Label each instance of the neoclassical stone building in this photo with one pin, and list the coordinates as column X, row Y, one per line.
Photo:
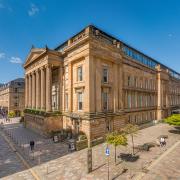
column 12, row 97
column 96, row 83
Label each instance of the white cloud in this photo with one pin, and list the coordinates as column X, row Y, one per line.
column 16, row 60
column 34, row 10
column 2, row 55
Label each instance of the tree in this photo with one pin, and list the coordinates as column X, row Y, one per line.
column 116, row 139
column 11, row 114
column 131, row 129
column 173, row 120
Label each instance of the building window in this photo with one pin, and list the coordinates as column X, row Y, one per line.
column 105, row 100
column 135, row 82
column 105, row 75
column 66, row 101
column 80, row 100
column 129, row 81
column 15, row 104
column 129, row 100
column 79, row 73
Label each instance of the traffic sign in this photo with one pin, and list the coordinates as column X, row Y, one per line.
column 107, row 151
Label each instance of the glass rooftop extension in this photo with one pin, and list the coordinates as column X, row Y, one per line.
column 127, row 50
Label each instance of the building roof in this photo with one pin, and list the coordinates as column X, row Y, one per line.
column 11, row 83
column 172, row 72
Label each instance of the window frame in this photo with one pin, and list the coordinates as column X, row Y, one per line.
column 78, row 101
column 80, row 76
column 107, row 75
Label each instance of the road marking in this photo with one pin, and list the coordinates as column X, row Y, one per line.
column 142, row 174
column 34, row 174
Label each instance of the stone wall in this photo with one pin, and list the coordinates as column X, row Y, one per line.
column 43, row 125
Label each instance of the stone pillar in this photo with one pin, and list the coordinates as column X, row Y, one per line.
column 26, row 91
column 115, row 87
column 30, row 92
column 33, row 90
column 48, row 88
column 37, row 90
column 159, row 109
column 70, row 98
column 60, row 88
column 43, row 89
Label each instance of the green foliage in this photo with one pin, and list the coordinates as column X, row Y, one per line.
column 131, row 129
column 116, row 139
column 42, row 113
column 11, row 114
column 173, row 120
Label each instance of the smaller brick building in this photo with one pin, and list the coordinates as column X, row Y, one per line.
column 12, row 96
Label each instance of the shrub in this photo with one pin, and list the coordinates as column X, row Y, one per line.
column 11, row 114
column 173, row 120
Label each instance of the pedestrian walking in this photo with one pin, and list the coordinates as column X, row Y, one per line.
column 32, row 143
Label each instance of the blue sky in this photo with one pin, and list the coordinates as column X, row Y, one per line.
column 151, row 26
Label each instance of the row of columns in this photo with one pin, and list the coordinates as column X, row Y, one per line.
column 38, row 89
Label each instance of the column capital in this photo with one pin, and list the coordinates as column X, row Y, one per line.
column 48, row 66
column 42, row 68
column 36, row 71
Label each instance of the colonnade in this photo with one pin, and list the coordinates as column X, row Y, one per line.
column 39, row 89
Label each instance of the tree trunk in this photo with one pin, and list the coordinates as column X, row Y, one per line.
column 115, row 154
column 132, row 144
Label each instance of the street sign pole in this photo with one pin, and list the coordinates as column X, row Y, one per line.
column 108, row 167
column 107, row 154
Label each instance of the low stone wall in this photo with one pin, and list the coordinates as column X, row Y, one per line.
column 43, row 125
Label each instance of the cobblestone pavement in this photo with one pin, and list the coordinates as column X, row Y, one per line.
column 168, row 168
column 10, row 166
column 55, row 162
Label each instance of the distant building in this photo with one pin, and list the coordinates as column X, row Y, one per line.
column 12, row 96
column 97, row 83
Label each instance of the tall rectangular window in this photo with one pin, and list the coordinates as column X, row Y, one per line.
column 105, row 75
column 79, row 73
column 105, row 100
column 129, row 100
column 80, row 100
column 129, row 81
column 66, row 101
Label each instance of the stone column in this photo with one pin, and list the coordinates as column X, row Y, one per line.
column 26, row 91
column 43, row 89
column 37, row 90
column 159, row 99
column 30, row 92
column 60, row 88
column 48, row 88
column 70, row 98
column 33, row 90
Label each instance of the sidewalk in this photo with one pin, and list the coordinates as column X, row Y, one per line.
column 57, row 163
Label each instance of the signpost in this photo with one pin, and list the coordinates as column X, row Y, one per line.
column 107, row 154
column 89, row 160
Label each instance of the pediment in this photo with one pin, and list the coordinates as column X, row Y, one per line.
column 34, row 53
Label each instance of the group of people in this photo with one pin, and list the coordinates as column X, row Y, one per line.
column 162, row 142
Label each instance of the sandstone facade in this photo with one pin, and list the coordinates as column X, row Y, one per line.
column 12, row 96
column 97, row 84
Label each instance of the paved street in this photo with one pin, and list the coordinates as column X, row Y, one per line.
column 10, row 166
column 53, row 161
column 167, row 168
